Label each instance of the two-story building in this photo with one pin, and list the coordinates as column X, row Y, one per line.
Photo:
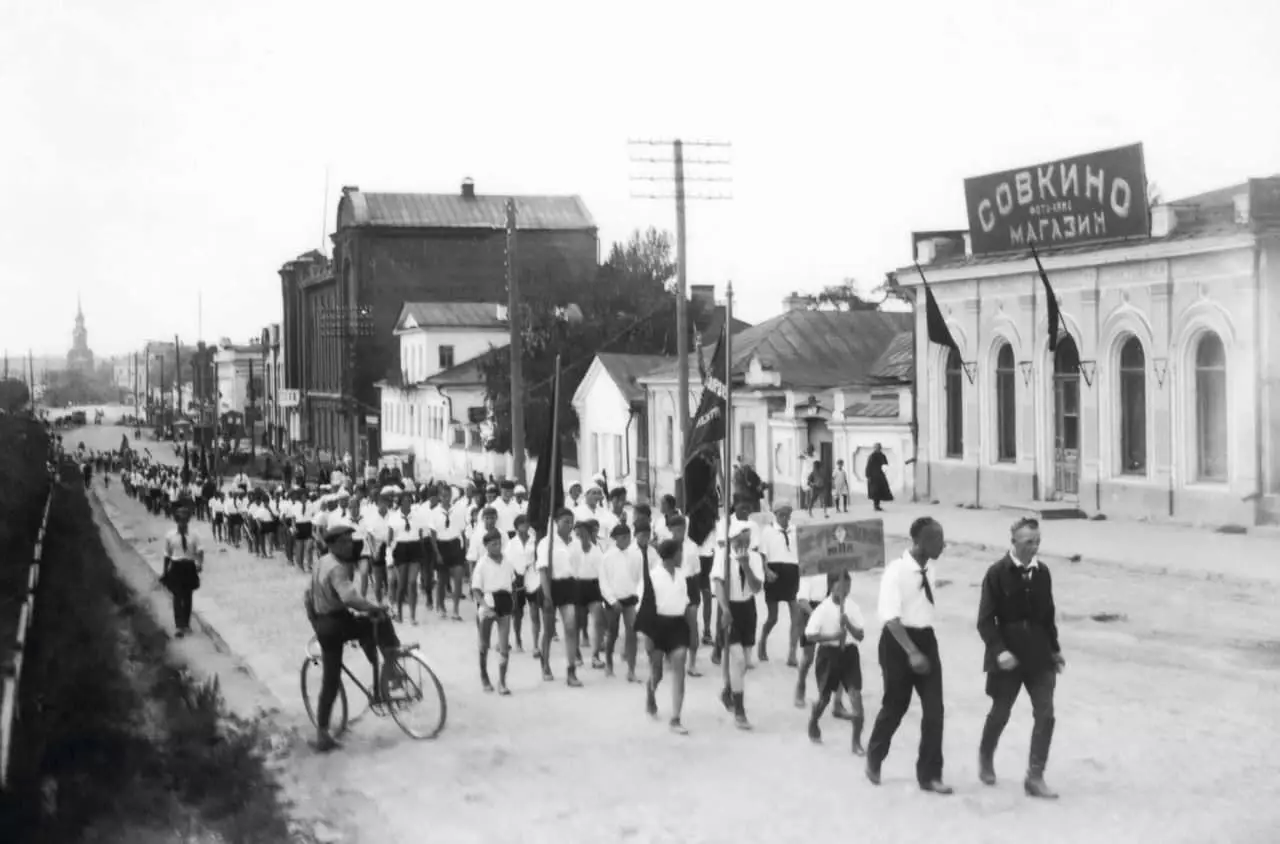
column 393, row 248
column 807, row 387
column 239, row 373
column 1158, row 401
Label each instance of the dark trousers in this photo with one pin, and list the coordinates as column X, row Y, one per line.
column 333, row 631
column 899, row 682
column 1003, row 688
column 180, row 582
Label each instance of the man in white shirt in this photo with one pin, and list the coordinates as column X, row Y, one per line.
column 781, row 580
column 573, row 498
column 620, row 578
column 590, row 610
column 665, row 623
column 741, row 516
column 492, row 584
column 909, row 655
column 520, row 551
column 377, row 534
column 738, row 614
column 677, row 527
column 835, row 627
column 507, row 508
column 554, row 559
column 451, row 559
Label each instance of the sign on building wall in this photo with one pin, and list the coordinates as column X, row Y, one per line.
column 840, row 546
column 1092, row 197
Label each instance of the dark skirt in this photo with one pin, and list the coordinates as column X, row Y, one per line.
column 835, row 667
column 623, row 603
column 564, row 592
column 743, row 631
column 705, row 565
column 786, row 586
column 406, row 552
column 218, row 517
column 589, row 592
column 302, row 530
column 669, row 633
column 235, row 518
column 181, row 577
column 452, row 554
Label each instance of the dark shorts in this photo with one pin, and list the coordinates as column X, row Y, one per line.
column 452, row 554
column 693, row 585
column 564, row 592
column 525, row 598
column 623, row 603
column 784, row 589
column 303, row 530
column 835, row 668
column 704, row 576
column 379, row 560
column 218, row 517
column 743, row 631
column 235, row 519
column 268, row 527
column 589, row 592
column 406, row 553
column 503, row 603
column 669, row 633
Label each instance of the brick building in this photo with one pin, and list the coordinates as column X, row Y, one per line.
column 392, row 248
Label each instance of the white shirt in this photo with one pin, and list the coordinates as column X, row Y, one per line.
column 608, row 521
column 670, row 594
column 491, row 576
column 173, row 547
column 689, row 560
column 825, row 619
column 620, row 574
column 402, row 529
column 586, row 561
column 755, row 546
column 475, row 548
column 779, row 545
column 521, row 556
column 561, row 565
column 507, row 512
column 451, row 520
column 902, row 594
column 739, row 591
column 375, row 529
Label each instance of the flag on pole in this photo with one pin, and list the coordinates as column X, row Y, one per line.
column 702, row 454
column 546, row 491
column 939, row 332
column 1054, row 312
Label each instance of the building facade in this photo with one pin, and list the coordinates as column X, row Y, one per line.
column 390, row 249
column 241, row 380
column 807, row 387
column 613, row 426
column 1156, row 402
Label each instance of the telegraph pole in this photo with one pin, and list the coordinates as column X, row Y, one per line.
column 135, row 390
column 678, row 180
column 517, row 348
column 177, row 372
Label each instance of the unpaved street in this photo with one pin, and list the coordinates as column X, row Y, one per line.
column 1167, row 726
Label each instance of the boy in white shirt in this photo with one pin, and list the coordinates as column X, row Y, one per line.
column 587, row 558
column 492, row 585
column 832, row 624
column 520, row 550
column 554, row 561
column 737, row 601
column 620, row 576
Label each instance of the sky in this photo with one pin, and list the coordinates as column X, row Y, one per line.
column 162, row 158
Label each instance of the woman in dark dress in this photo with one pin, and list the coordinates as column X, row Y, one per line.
column 877, row 483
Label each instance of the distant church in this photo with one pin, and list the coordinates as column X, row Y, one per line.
column 81, row 356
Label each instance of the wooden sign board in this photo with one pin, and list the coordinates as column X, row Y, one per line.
column 829, row 547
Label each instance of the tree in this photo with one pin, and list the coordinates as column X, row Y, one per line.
column 13, row 395
column 842, row 297
column 629, row 307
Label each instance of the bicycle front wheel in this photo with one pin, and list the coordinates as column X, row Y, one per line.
column 312, row 674
column 414, row 697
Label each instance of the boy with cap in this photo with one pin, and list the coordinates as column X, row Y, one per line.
column 492, row 584
column 620, row 577
column 736, row 598
column 834, row 622
column 664, row 623
column 782, row 580
column 586, row 566
column 520, row 551
column 508, row 508
column 554, row 559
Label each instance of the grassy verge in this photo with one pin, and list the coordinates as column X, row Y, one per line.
column 115, row 744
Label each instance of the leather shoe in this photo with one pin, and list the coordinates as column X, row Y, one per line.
column 873, row 773
column 986, row 771
column 1036, row 787
column 936, row 786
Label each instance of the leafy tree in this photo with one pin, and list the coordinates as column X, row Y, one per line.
column 628, row 308
column 842, row 297
column 14, row 395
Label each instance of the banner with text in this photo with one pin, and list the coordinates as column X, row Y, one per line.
column 828, row 547
column 1087, row 198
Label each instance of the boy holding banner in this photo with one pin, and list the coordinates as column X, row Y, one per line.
column 837, row 664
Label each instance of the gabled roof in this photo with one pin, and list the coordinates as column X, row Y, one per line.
column 874, row 409
column 469, row 373
column 455, row 211
column 897, row 362
column 712, row 322
column 415, row 315
column 811, row 349
column 625, row 369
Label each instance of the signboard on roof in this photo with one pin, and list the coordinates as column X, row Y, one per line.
column 827, row 547
column 1097, row 196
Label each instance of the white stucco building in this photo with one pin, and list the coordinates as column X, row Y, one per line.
column 239, row 373
column 613, row 431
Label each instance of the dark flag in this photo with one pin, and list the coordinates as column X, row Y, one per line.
column 702, row 455
column 1055, row 314
column 546, row 491
column 647, row 612
column 939, row 332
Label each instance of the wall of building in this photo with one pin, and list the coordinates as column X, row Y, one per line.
column 608, row 432
column 1167, row 296
column 420, row 349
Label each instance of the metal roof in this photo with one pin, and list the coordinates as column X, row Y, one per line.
column 625, row 369
column 874, row 409
column 455, row 211
column 469, row 373
column 453, row 315
column 897, row 362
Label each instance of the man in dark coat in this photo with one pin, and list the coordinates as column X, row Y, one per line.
column 1017, row 625
column 877, row 482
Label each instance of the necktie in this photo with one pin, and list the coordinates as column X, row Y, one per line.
column 786, row 538
column 446, row 519
column 924, row 583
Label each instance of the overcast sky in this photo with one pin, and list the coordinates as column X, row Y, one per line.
column 156, row 148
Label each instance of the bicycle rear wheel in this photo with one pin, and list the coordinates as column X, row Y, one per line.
column 312, row 673
column 415, row 697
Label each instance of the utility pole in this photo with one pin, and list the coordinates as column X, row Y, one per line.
column 31, row 376
column 248, row 418
column 177, row 373
column 135, row 390
column 146, row 356
column 163, row 393
column 517, row 348
column 678, row 180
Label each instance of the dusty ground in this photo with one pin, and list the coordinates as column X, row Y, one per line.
column 1168, row 729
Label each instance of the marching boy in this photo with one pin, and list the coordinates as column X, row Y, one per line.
column 836, row 664
column 492, row 584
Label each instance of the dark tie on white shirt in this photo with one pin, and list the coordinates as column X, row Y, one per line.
column 786, row 538
column 924, row 584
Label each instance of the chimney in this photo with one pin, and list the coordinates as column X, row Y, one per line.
column 796, row 302
column 1164, row 219
column 704, row 295
column 468, row 188
column 346, row 189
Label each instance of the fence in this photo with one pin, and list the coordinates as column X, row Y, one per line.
column 13, row 674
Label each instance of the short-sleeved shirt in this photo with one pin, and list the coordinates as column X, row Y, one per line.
column 902, row 594
column 492, row 575
column 670, row 595
column 825, row 618
column 173, row 546
column 331, row 586
column 560, row 562
column 738, row 589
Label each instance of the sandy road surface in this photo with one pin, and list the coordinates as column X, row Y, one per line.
column 1168, row 728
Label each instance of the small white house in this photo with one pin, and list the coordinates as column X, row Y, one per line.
column 613, row 424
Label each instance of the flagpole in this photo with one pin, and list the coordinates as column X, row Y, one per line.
column 552, row 506
column 726, row 482
column 1035, row 387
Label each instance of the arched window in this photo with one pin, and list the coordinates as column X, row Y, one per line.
column 1133, row 408
column 1006, row 407
column 1211, row 408
column 954, row 390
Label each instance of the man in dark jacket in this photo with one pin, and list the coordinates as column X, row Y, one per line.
column 1016, row 622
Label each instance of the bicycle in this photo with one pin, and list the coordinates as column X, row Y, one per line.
column 402, row 694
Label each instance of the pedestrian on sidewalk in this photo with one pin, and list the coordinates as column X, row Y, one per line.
column 816, row 484
column 877, row 481
column 1017, row 625
column 183, row 562
column 909, row 656
column 840, row 487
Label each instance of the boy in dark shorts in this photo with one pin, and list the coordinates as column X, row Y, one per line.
column 492, row 586
column 835, row 627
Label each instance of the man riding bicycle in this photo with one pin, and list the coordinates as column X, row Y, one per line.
column 331, row 602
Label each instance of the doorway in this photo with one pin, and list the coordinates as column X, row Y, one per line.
column 1066, row 420
column 826, row 454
